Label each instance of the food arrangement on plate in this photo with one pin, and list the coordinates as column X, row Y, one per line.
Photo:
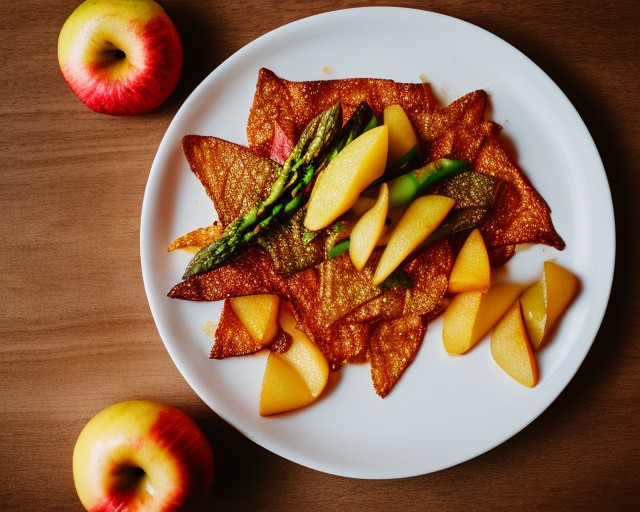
column 359, row 211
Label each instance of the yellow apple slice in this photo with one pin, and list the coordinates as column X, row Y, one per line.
column 402, row 136
column 340, row 184
column 258, row 314
column 471, row 315
column 283, row 388
column 511, row 349
column 362, row 205
column 422, row 217
column 304, row 355
column 393, row 218
column 546, row 301
column 367, row 231
column 471, row 269
column 294, row 378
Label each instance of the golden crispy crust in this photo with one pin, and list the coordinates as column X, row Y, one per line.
column 234, row 178
column 347, row 318
column 291, row 105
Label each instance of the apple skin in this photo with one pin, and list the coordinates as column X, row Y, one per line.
column 142, row 455
column 120, row 57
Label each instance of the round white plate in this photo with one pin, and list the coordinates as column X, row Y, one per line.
column 445, row 410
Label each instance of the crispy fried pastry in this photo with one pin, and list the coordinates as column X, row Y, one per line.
column 234, row 178
column 251, row 274
column 197, row 238
column 338, row 308
column 392, row 348
column 288, row 106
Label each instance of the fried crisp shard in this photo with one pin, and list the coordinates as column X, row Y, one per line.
column 345, row 343
column 521, row 214
column 392, row 348
column 529, row 220
column 342, row 289
column 197, row 238
column 288, row 106
column 231, row 338
column 251, row 274
column 289, row 250
column 233, row 177
column 429, row 272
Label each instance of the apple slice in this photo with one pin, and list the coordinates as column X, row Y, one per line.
column 258, row 314
column 422, row 217
column 471, row 269
column 367, row 231
column 294, row 378
column 471, row 315
column 545, row 301
column 511, row 349
column 283, row 388
column 304, row 355
column 402, row 136
column 337, row 187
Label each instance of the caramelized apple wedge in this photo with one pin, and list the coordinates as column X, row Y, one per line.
column 511, row 349
column 368, row 229
column 303, row 355
column 283, row 388
column 471, row 315
column 402, row 136
column 258, row 314
column 545, row 301
column 420, row 219
column 340, row 184
column 294, row 378
column 471, row 270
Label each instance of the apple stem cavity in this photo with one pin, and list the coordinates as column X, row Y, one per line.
column 127, row 477
column 111, row 55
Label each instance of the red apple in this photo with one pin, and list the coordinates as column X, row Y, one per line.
column 142, row 455
column 120, row 57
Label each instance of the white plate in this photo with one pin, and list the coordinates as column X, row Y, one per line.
column 445, row 410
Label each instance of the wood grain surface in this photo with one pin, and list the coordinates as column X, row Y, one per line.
column 76, row 331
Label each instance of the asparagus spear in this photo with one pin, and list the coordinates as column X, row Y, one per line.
column 320, row 141
column 405, row 188
column 315, row 137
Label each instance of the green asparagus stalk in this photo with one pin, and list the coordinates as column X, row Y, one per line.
column 315, row 137
column 407, row 187
column 320, row 141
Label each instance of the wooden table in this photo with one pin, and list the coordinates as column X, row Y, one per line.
column 76, row 330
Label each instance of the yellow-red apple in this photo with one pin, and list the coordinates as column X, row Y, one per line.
column 120, row 57
column 142, row 455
